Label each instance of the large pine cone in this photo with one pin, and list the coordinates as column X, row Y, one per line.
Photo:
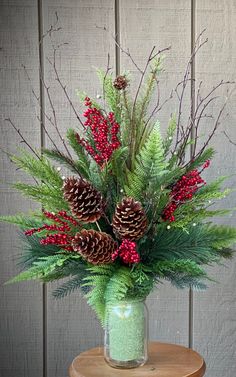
column 120, row 82
column 130, row 220
column 85, row 201
column 95, row 247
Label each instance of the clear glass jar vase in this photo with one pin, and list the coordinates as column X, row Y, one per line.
column 126, row 334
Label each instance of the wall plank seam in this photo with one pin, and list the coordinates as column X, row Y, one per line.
column 117, row 36
column 192, row 94
column 42, row 139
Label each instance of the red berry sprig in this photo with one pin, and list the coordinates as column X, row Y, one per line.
column 62, row 237
column 104, row 132
column 184, row 190
column 59, row 239
column 127, row 252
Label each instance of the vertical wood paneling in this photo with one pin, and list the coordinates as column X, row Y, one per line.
column 163, row 24
column 20, row 304
column 72, row 325
column 214, row 310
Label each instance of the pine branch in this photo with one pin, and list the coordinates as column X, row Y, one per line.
column 63, row 159
column 39, row 168
column 51, row 199
column 83, row 160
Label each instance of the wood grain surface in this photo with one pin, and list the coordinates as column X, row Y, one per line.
column 21, row 325
column 165, row 360
column 214, row 333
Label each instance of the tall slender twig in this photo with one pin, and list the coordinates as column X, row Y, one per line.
column 23, row 140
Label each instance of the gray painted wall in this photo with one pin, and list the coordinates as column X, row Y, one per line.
column 40, row 336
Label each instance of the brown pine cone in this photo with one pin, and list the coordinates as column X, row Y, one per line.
column 95, row 247
column 129, row 220
column 120, row 82
column 85, row 201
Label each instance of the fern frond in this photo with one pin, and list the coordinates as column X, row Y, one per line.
column 118, row 285
column 97, row 281
column 40, row 268
column 149, row 164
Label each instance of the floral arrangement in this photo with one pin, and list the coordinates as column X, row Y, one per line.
column 133, row 210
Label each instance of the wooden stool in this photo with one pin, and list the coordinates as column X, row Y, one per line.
column 165, row 360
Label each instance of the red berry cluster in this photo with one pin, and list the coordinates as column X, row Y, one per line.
column 104, row 131
column 61, row 237
column 127, row 252
column 183, row 190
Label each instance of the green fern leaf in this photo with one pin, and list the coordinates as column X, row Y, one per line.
column 149, row 165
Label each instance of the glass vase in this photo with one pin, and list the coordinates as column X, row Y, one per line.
column 126, row 334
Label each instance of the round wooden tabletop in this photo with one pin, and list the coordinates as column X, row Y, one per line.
column 165, row 360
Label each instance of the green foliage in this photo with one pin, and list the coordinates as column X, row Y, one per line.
column 70, row 286
column 182, row 266
column 197, row 243
column 108, row 284
column 169, row 135
column 62, row 159
column 97, row 281
column 182, row 273
column 118, row 285
column 24, row 221
column 117, row 166
column 51, row 198
column 149, row 165
column 203, row 157
column 83, row 163
column 82, row 95
column 33, row 250
column 222, row 236
column 111, row 94
column 41, row 268
column 38, row 168
column 148, row 90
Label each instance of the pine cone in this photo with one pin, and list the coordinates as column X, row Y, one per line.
column 85, row 201
column 129, row 220
column 120, row 82
column 95, row 247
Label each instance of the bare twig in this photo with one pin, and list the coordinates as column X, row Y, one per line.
column 216, row 124
column 231, row 141
column 108, row 68
column 58, row 79
column 53, row 28
column 23, row 140
column 49, row 119
column 184, row 82
column 126, row 52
